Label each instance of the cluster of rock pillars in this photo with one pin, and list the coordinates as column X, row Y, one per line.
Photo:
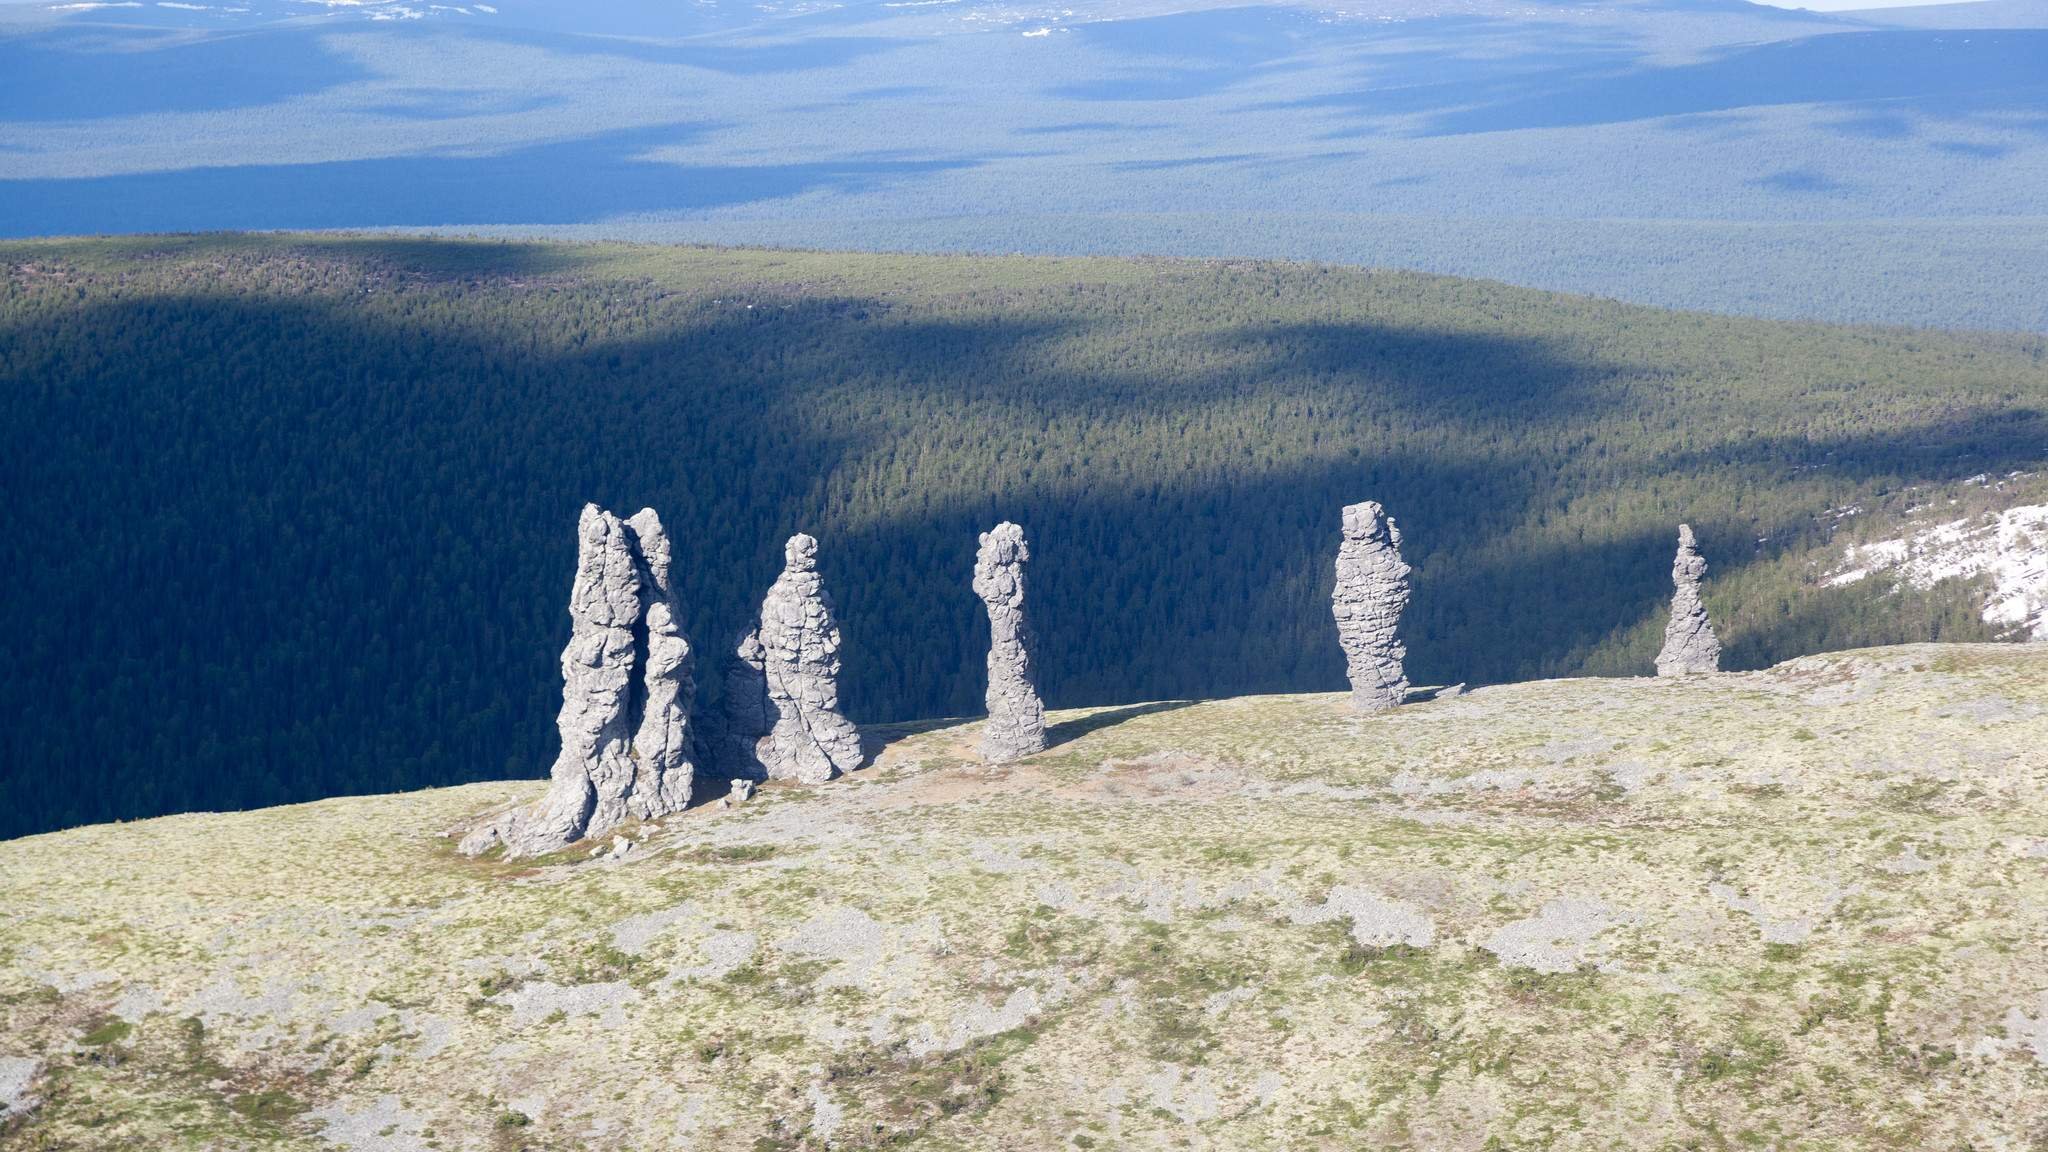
column 631, row 748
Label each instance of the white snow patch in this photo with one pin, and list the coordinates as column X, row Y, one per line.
column 2010, row 546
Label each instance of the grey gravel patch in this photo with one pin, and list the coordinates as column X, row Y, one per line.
column 848, row 936
column 538, row 1001
column 136, row 1002
column 1057, row 896
column 383, row 1126
column 1775, row 929
column 1192, row 1101
column 1375, row 922
column 436, row 1033
column 16, row 1074
column 2021, row 1031
column 2031, row 849
column 1558, row 938
column 1990, row 710
column 359, row 1020
column 724, row 952
column 224, row 997
column 1488, row 780
column 826, row 1113
column 985, row 1019
column 1267, row 1087
column 1907, row 862
column 633, row 934
column 1002, row 861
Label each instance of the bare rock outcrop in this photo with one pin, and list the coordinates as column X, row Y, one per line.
column 808, row 740
column 663, row 772
column 625, row 679
column 1690, row 645
column 1016, row 715
column 1372, row 591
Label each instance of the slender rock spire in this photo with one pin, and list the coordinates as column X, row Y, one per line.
column 1016, row 715
column 810, row 741
column 1372, row 590
column 663, row 773
column 1689, row 642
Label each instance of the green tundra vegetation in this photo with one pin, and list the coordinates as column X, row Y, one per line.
column 289, row 516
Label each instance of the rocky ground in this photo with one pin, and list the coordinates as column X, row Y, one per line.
column 1802, row 908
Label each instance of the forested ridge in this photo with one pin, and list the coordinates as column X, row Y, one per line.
column 289, row 517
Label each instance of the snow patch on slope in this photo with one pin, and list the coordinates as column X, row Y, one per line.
column 2011, row 546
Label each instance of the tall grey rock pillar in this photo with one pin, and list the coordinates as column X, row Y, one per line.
column 1372, row 591
column 1689, row 642
column 809, row 740
column 626, row 685
column 661, row 742
column 1016, row 715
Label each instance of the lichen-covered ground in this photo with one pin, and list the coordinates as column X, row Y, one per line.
column 1803, row 908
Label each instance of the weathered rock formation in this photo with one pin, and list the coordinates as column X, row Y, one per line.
column 625, row 678
column 661, row 742
column 1689, row 642
column 808, row 739
column 1372, row 590
column 1016, row 715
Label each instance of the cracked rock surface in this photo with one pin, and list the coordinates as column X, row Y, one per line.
column 624, row 721
column 1016, row 714
column 1371, row 592
column 1690, row 645
column 809, row 740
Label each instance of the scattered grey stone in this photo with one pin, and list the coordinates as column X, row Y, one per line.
column 626, row 654
column 1558, row 938
column 809, row 740
column 1375, row 922
column 16, row 1074
column 1690, row 645
column 1371, row 592
column 742, row 791
column 1016, row 715
column 383, row 1126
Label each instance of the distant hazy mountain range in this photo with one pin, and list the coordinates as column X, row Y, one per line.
column 1883, row 166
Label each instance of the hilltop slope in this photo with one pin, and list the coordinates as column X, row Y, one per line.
column 1796, row 908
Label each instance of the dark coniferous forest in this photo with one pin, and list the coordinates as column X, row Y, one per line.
column 287, row 518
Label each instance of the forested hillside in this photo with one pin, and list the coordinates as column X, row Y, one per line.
column 289, row 517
